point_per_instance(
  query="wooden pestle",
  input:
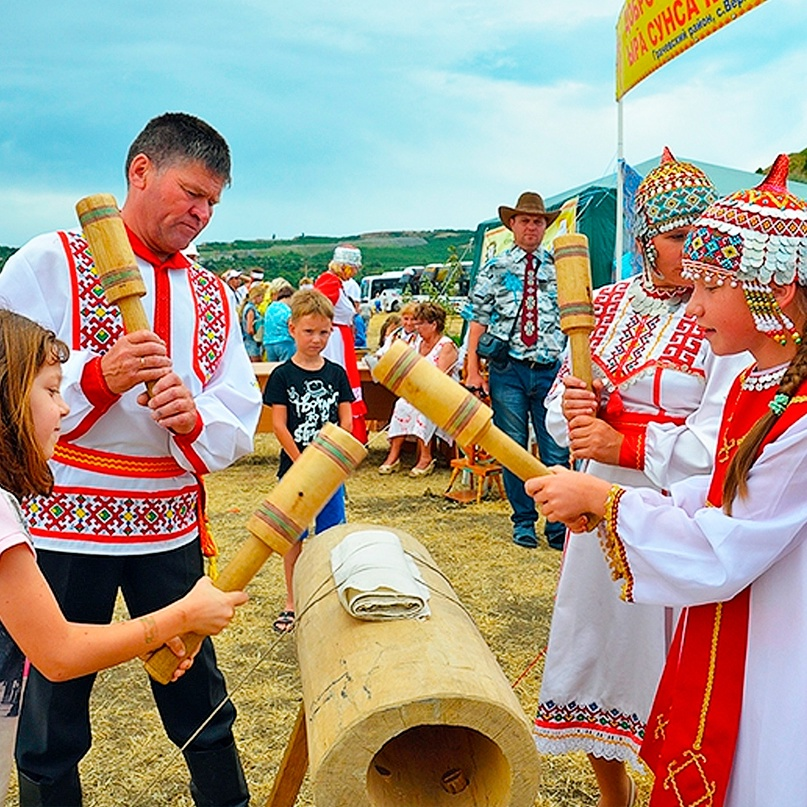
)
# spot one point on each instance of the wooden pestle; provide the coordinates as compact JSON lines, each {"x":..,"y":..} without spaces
{"x":573,"y":270}
{"x":115,"y":262}
{"x":278,"y":523}
{"x":452,"y":407}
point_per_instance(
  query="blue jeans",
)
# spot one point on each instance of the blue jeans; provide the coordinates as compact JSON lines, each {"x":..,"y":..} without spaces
{"x":279,"y":351}
{"x":331,"y":515}
{"x":517,"y":395}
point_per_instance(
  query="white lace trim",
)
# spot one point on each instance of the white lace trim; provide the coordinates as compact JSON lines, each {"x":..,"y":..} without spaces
{"x":558,"y":743}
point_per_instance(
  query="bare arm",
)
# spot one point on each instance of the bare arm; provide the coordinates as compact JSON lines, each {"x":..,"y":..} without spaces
{"x":473,"y":377}
{"x":345,"y":416}
{"x":60,"y":649}
{"x":281,"y":429}
{"x":448,"y":357}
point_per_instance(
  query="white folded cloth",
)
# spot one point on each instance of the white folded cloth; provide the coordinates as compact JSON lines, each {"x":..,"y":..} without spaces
{"x":376,"y":580}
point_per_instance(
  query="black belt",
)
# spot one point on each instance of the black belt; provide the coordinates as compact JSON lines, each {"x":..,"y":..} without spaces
{"x":535,"y":365}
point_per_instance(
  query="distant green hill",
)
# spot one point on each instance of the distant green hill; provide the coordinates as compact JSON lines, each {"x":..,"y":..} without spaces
{"x":5,"y":254}
{"x":309,"y":255}
{"x":798,"y":167}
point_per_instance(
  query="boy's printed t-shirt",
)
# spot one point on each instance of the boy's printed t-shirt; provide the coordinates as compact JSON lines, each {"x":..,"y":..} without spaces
{"x":311,"y":398}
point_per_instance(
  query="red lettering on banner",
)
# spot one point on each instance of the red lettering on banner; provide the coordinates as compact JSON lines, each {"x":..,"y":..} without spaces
{"x":633,"y":11}
{"x":672,"y":19}
{"x":636,"y":48}
{"x":669,"y":25}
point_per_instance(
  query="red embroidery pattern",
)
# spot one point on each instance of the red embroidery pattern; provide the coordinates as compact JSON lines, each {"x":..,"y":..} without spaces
{"x":635,"y":347}
{"x":98,"y":325}
{"x":211,"y":322}
{"x":110,"y":518}
{"x":559,"y":720}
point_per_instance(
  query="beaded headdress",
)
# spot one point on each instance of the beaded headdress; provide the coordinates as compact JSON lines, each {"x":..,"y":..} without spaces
{"x":751,"y":239}
{"x":672,"y":195}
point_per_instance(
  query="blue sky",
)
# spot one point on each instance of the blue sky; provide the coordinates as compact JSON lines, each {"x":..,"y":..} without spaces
{"x":347,"y":117}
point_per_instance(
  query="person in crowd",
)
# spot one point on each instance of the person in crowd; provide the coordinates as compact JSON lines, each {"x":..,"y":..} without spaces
{"x":31,"y":622}
{"x":389,"y":326}
{"x":433,"y":344}
{"x":252,"y":322}
{"x":405,"y":330}
{"x":651,"y":420}
{"x":359,"y":331}
{"x":127,"y":508}
{"x":731,"y":548}
{"x":305,"y":393}
{"x":341,"y":346}
{"x":514,"y":305}
{"x":235,"y":282}
{"x":278,"y":344}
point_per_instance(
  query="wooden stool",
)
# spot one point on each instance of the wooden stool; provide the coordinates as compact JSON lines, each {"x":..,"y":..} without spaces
{"x":485,"y":470}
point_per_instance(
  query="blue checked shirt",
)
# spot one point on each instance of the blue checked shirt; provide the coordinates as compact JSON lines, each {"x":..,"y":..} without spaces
{"x":496,"y":303}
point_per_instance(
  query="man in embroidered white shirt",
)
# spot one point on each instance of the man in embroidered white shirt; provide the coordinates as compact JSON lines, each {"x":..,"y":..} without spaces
{"x":126,"y":509}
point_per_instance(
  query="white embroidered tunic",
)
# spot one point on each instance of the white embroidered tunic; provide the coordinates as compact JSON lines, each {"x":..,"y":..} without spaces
{"x":764,"y":545}
{"x":665,"y":390}
{"x":124,"y":485}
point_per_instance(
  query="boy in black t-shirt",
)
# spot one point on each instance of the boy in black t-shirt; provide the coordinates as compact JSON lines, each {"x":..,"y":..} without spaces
{"x":305,"y":393}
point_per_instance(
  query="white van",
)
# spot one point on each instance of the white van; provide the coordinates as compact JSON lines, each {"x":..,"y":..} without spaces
{"x":373,"y":285}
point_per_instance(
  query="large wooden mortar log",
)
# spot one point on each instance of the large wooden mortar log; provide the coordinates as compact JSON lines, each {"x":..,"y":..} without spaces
{"x":573,"y":270}
{"x":405,"y":713}
{"x":452,"y":407}
{"x":278,"y":523}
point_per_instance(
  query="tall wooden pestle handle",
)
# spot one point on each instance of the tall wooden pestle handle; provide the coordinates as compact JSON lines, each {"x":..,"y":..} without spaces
{"x":115,"y":262}
{"x":573,"y":270}
{"x":452,"y":407}
{"x":278,"y":523}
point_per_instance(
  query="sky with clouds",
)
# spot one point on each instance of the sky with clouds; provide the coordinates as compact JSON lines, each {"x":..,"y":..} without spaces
{"x":348,"y":117}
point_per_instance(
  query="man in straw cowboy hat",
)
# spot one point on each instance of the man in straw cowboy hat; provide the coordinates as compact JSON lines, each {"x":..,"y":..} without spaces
{"x":515,"y":328}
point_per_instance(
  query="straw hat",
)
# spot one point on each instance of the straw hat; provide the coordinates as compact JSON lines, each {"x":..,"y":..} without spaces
{"x":529,"y":204}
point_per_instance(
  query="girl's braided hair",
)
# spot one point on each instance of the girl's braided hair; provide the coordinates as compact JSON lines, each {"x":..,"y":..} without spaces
{"x":736,"y":481}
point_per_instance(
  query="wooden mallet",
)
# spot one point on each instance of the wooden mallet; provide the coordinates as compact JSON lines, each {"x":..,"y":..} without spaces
{"x":278,"y":523}
{"x":115,"y":262}
{"x":452,"y":407}
{"x":573,"y":270}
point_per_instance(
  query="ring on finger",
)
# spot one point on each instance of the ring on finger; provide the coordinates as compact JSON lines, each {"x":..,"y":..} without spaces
{"x":142,"y":361}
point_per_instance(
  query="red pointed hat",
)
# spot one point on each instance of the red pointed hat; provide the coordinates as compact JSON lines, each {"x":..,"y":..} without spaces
{"x":759,"y":234}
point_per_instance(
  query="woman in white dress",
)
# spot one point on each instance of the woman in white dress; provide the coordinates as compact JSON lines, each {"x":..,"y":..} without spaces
{"x":654,"y":418}
{"x":441,"y":351}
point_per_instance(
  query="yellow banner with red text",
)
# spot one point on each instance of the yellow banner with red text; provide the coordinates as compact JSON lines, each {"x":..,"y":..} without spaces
{"x":651,"y":33}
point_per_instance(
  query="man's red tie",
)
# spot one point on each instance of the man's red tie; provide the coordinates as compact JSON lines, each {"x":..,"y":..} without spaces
{"x":529,"y":312}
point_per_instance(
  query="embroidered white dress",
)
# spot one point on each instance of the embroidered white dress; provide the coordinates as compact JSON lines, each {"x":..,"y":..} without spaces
{"x":123,"y":485}
{"x":764,"y":544}
{"x":605,"y":656}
